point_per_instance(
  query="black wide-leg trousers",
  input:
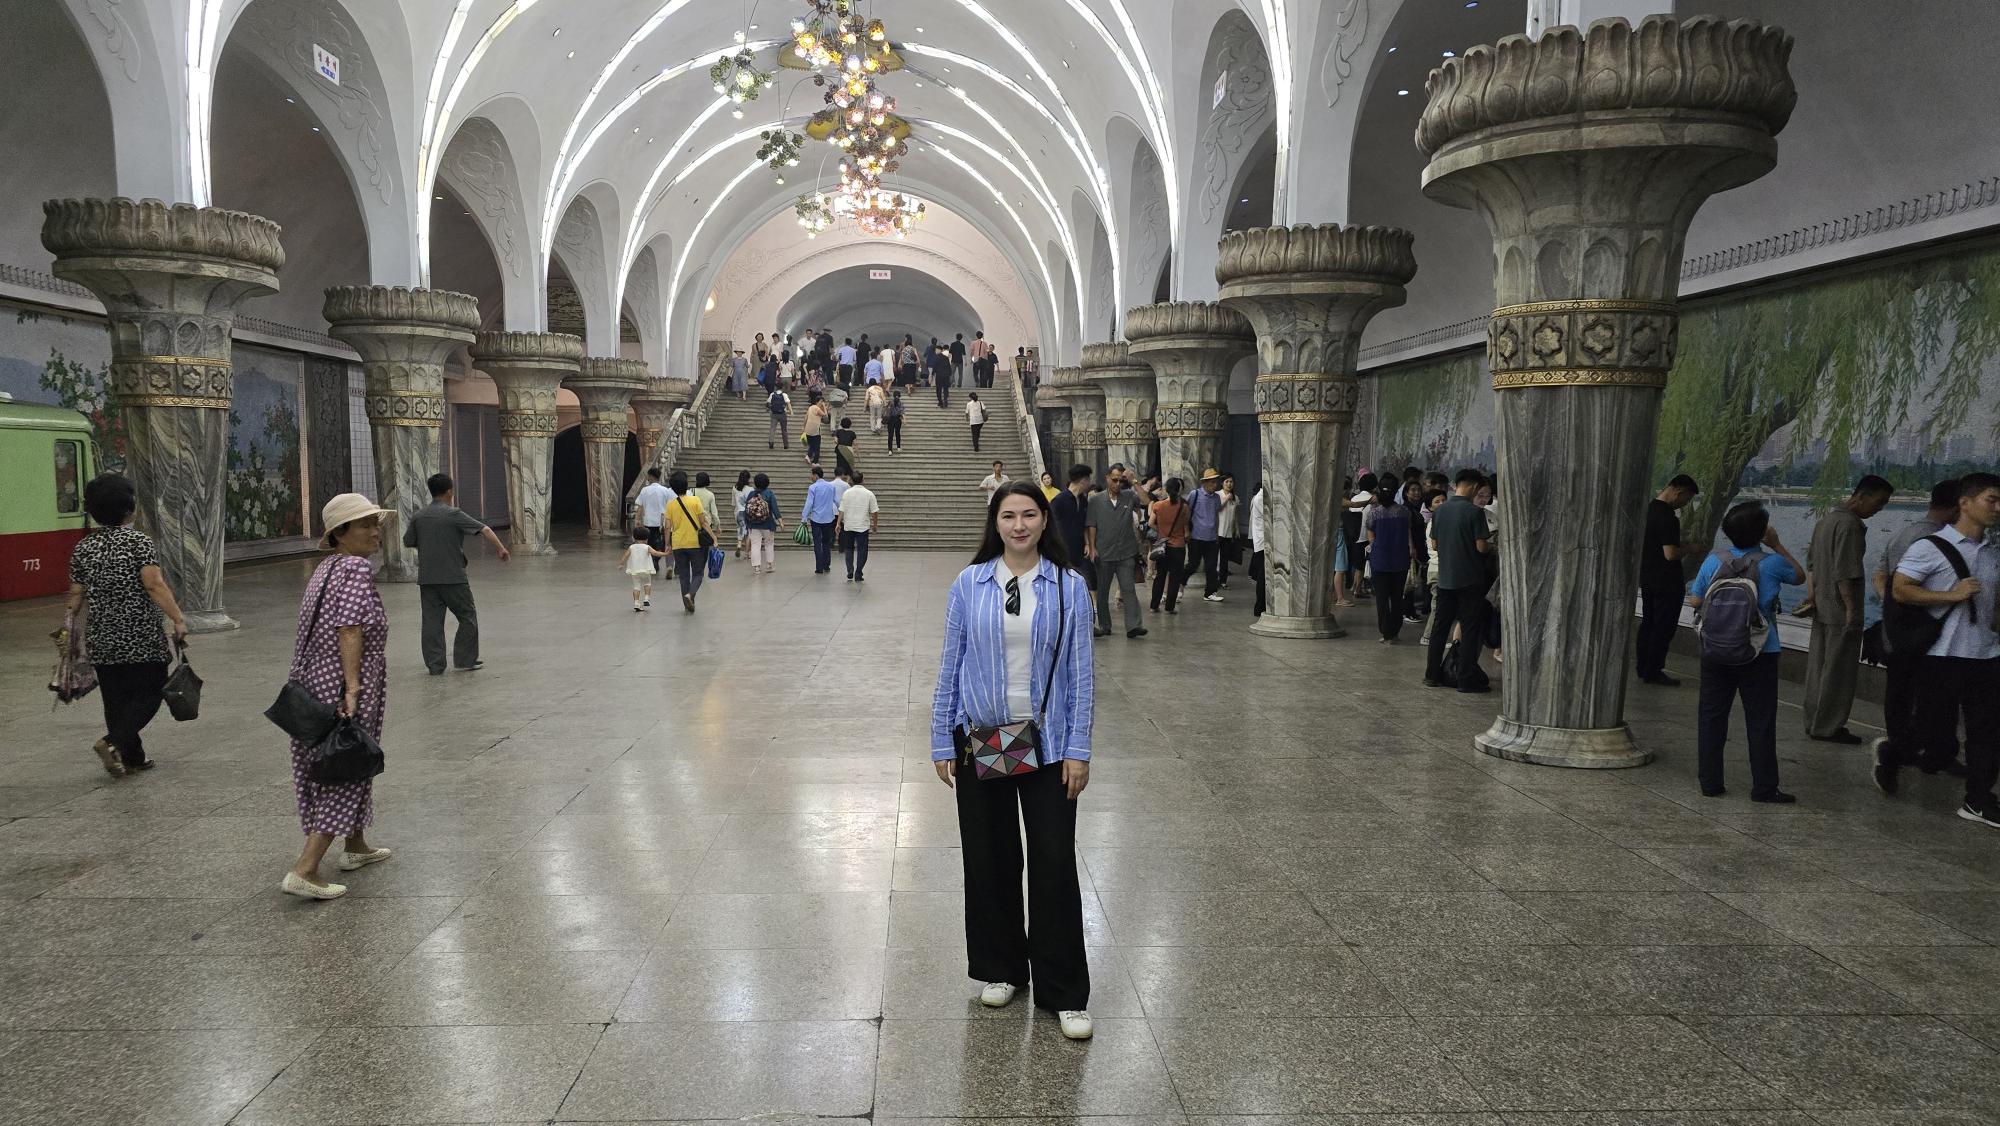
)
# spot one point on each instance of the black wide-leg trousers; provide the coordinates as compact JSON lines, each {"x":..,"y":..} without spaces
{"x":1044,"y":949}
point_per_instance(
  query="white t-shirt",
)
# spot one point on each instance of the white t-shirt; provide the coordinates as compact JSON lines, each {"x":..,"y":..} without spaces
{"x":975,"y":412}
{"x":992,"y":483}
{"x":858,"y":508}
{"x":639,"y":560}
{"x":652,"y":505}
{"x":1018,"y":632}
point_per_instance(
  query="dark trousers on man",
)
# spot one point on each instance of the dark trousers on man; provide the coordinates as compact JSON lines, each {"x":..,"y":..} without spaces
{"x":958,"y":371}
{"x":1119,"y":571}
{"x":130,"y":694}
{"x":1044,"y":949}
{"x":1955,"y":687}
{"x":976,"y":428}
{"x":944,"y":393}
{"x":1205,"y":556}
{"x":1257,"y":576}
{"x":1465,"y":606}
{"x":656,"y":538}
{"x":1757,"y":683}
{"x":854,"y":550}
{"x":456,"y":597}
{"x":1389,"y":595}
{"x":822,"y":535}
{"x":1660,"y":616}
{"x":1419,"y":600}
{"x":812,"y":449}
{"x":1907,"y":741}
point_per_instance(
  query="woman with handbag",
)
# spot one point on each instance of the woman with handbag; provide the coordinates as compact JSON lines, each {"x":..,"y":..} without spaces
{"x":1172,"y":519}
{"x":114,"y":574}
{"x":690,"y":536}
{"x":341,"y":658}
{"x":1010,"y":730}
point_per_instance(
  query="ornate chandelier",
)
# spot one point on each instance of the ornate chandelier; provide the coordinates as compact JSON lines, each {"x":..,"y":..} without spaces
{"x":880,"y":212}
{"x":815,"y":212}
{"x":736,"y":77}
{"x":849,"y":54}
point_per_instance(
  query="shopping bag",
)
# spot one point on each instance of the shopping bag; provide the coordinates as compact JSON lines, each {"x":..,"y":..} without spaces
{"x":715,"y":558}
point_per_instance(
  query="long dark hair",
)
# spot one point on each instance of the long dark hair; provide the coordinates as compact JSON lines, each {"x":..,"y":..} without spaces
{"x":1051,"y":545}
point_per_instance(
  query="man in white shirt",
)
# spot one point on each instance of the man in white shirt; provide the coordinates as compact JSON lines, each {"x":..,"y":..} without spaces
{"x":651,"y":510}
{"x":991,"y":483}
{"x":1961,"y":670}
{"x":975,"y":417}
{"x":982,"y":355}
{"x":859,"y":516}
{"x":845,"y":359}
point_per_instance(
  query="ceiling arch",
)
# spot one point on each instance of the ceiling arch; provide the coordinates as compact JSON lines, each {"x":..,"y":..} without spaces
{"x":848,"y":301}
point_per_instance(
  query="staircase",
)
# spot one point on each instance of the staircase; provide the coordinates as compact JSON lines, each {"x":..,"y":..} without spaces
{"x":929,"y":491}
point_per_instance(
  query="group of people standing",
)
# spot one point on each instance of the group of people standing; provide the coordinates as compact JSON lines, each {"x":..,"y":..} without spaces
{"x":1935,"y":636}
{"x":784,"y":362}
{"x":1116,"y":529}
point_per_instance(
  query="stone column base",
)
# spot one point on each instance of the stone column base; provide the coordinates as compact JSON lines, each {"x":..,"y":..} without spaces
{"x":1600,"y":748}
{"x":1304,"y":629}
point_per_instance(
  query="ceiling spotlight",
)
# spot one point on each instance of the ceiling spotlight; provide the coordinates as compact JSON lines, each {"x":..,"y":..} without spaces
{"x":920,"y":31}
{"x":291,"y":101}
{"x":1451,"y":54}
{"x":572,"y":54}
{"x":1472,"y":3}
{"x":1392,"y":50}
{"x":557,"y":33}
{"x":315,"y":128}
{"x":1246,"y":199}
{"x":440,"y":197}
{"x":1402,"y":93}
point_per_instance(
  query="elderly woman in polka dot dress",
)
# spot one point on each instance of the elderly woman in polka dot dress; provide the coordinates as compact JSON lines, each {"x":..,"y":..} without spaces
{"x":341,"y":656}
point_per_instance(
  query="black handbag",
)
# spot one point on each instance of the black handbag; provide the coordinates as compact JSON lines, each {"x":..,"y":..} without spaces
{"x":1912,"y":630}
{"x":182,"y":692}
{"x":347,"y":754}
{"x":295,"y":711}
{"x":702,"y":535}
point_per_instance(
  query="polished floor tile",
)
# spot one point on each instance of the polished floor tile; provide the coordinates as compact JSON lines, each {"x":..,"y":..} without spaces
{"x":659,"y":869}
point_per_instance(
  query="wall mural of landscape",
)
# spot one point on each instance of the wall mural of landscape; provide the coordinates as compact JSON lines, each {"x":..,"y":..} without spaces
{"x":64,"y":359}
{"x":1788,"y":393}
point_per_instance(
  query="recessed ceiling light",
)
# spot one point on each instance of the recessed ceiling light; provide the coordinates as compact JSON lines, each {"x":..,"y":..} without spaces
{"x":1065,"y":63}
{"x":753,"y":27}
{"x":440,"y":197}
{"x":1472,"y":3}
{"x":572,"y":55}
{"x":1451,"y":54}
{"x":291,"y":101}
{"x":315,"y":128}
{"x":1246,"y":199}
{"x":649,"y":140}
{"x":920,"y":31}
{"x":635,"y":129}
{"x":1402,"y":93}
{"x":556,"y":34}
{"x":920,"y":85}
{"x":1392,"y":50}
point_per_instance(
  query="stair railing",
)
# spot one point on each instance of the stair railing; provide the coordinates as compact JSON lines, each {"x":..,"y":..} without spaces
{"x":1024,"y":419}
{"x":685,"y":426}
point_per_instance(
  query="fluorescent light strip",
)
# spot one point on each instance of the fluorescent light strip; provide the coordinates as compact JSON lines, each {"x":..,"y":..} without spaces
{"x":566,"y":173}
{"x":431,"y":97}
{"x":1085,"y":155}
{"x":443,"y":123}
{"x":1280,"y":57}
{"x":204,"y":25}
{"x":1042,"y":197}
{"x":999,"y":197}
{"x":629,"y":247}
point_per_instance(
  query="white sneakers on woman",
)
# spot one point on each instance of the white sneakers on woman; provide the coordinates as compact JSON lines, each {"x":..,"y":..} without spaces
{"x":294,"y":884}
{"x":1075,"y":1022}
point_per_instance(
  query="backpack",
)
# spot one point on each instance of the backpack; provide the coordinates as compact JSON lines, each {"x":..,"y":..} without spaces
{"x":1730,"y":623}
{"x":756,"y":508}
{"x":776,"y":402}
{"x":1911,"y":629}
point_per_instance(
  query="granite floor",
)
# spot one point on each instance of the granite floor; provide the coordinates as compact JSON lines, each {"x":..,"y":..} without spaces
{"x":659,"y":867}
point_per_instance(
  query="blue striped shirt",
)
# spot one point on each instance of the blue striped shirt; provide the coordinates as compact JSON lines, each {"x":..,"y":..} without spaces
{"x":972,"y":676}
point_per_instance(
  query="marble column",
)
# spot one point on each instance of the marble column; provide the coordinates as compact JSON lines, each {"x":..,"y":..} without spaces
{"x":171,"y":279}
{"x":655,"y":407}
{"x":1086,"y":414}
{"x":404,"y":337}
{"x":1588,"y":184}
{"x":1129,"y":392}
{"x":1055,"y":407}
{"x":528,"y":368}
{"x":1192,"y":347}
{"x":605,"y":387}
{"x":1309,"y":292}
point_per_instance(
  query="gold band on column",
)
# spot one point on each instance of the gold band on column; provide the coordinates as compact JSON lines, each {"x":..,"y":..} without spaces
{"x":1580,"y":377}
{"x":1588,"y":305}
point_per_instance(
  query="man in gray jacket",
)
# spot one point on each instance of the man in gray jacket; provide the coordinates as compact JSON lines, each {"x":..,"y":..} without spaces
{"x":438,"y":532}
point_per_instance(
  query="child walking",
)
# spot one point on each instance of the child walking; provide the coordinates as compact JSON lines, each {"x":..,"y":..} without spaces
{"x":638,"y":563}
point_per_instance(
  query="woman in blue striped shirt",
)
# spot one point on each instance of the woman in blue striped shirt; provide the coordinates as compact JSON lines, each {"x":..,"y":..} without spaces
{"x":1017,"y":637}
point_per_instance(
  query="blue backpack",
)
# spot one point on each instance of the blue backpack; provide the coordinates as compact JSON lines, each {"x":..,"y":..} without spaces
{"x":1731,"y":624}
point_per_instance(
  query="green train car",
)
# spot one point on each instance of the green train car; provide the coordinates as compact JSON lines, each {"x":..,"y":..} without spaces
{"x":46,"y":456}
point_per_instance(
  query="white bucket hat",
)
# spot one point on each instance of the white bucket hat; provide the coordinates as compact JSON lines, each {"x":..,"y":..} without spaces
{"x":346,"y":509}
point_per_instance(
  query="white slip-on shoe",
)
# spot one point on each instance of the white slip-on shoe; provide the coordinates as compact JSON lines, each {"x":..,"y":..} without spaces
{"x":996,"y":995}
{"x":293,"y":885}
{"x":107,"y":755}
{"x":349,"y":861}
{"x":1075,"y":1023}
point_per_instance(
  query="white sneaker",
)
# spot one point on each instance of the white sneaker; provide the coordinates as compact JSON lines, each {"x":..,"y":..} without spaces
{"x":1211,"y":598}
{"x":1075,"y":1023}
{"x":349,"y":861}
{"x":293,"y":885}
{"x":996,"y":995}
